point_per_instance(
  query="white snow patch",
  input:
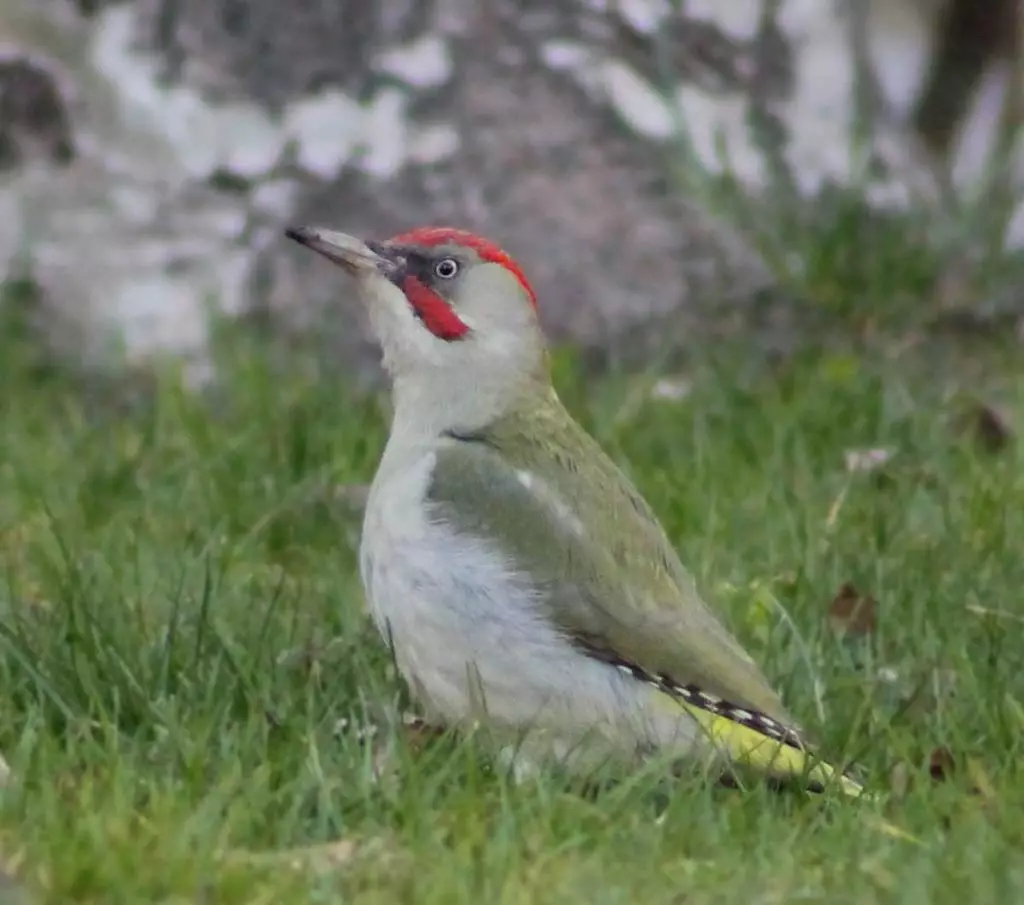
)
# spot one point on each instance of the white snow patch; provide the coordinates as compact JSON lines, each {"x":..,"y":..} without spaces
{"x":1014,"y":238}
{"x":134,"y":74}
{"x":820,"y":112}
{"x":978,"y":136}
{"x":644,"y":16}
{"x":424,"y":63}
{"x":736,"y":19}
{"x":250,"y":145}
{"x":385,"y":136}
{"x":203,"y":137}
{"x":901,"y":40}
{"x":717,"y":130}
{"x":566,"y":56}
{"x":637,"y":101}
{"x":326,"y":128}
{"x":432,"y":144}
{"x":150,"y":308}
{"x":581,"y":63}
{"x":275,"y":197}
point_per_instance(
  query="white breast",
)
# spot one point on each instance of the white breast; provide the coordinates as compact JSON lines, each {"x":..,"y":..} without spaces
{"x":471,"y":636}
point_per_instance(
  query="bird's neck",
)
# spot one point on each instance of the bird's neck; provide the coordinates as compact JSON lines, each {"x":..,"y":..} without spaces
{"x":428,"y":407}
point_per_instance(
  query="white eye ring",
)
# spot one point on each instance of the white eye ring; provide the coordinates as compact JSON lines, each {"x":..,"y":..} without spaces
{"x":446,"y":268}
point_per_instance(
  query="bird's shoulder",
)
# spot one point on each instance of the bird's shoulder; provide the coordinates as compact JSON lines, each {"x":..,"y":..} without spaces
{"x":540,"y":476}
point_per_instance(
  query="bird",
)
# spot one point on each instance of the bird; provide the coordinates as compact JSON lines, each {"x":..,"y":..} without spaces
{"x":522,"y":581}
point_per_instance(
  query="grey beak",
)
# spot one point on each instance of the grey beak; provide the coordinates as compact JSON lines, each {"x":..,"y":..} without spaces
{"x":351,"y":254}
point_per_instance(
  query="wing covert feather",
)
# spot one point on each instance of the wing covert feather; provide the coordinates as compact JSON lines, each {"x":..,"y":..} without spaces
{"x":612,"y":580}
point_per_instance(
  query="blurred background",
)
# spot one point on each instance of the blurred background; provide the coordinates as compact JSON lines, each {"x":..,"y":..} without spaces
{"x":667,"y":172}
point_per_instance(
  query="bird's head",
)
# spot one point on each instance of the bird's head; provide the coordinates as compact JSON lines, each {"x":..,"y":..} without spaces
{"x":454,"y":315}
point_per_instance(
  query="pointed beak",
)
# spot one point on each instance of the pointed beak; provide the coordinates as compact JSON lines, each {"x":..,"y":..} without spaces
{"x":353,"y":255}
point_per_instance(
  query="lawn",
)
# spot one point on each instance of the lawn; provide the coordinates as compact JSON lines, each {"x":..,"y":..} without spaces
{"x":182,"y":639}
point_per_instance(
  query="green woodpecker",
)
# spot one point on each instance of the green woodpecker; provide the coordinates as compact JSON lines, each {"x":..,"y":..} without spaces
{"x":521,"y":579}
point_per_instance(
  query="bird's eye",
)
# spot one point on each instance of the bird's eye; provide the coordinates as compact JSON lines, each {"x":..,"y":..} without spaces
{"x":446,"y":268}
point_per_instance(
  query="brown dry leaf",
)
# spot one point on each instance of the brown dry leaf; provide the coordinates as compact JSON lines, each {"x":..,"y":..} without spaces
{"x":942,"y":767}
{"x":980,"y":791}
{"x":988,"y":426}
{"x":853,"y":614}
{"x":941,"y":764}
{"x":418,"y":731}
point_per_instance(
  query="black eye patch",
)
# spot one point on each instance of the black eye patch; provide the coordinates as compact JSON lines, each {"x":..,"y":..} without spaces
{"x":424,"y":268}
{"x":411,"y":262}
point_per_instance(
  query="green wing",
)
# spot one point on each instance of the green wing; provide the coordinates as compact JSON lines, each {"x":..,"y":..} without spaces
{"x":614,"y":582}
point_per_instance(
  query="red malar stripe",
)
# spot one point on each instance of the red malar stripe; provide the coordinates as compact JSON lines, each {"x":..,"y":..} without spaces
{"x":437,"y":315}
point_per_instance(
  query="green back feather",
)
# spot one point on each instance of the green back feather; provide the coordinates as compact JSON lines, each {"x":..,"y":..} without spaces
{"x":538,"y":485}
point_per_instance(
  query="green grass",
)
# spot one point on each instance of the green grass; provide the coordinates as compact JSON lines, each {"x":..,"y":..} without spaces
{"x":181,"y":631}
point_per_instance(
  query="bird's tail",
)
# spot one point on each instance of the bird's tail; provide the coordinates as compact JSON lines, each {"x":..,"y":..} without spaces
{"x":783,"y":759}
{"x":779,"y":758}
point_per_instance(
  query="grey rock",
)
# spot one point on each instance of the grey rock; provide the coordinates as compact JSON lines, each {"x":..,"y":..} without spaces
{"x":606,"y":242}
{"x":34,"y":118}
{"x":127,"y":241}
{"x":274,"y":52}
{"x":156,"y":148}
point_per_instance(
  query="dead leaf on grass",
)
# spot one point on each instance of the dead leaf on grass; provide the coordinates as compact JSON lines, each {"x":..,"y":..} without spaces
{"x":941,"y":764}
{"x":902,"y":775}
{"x":418,"y":731}
{"x":853,"y":614}
{"x":987,"y":425}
